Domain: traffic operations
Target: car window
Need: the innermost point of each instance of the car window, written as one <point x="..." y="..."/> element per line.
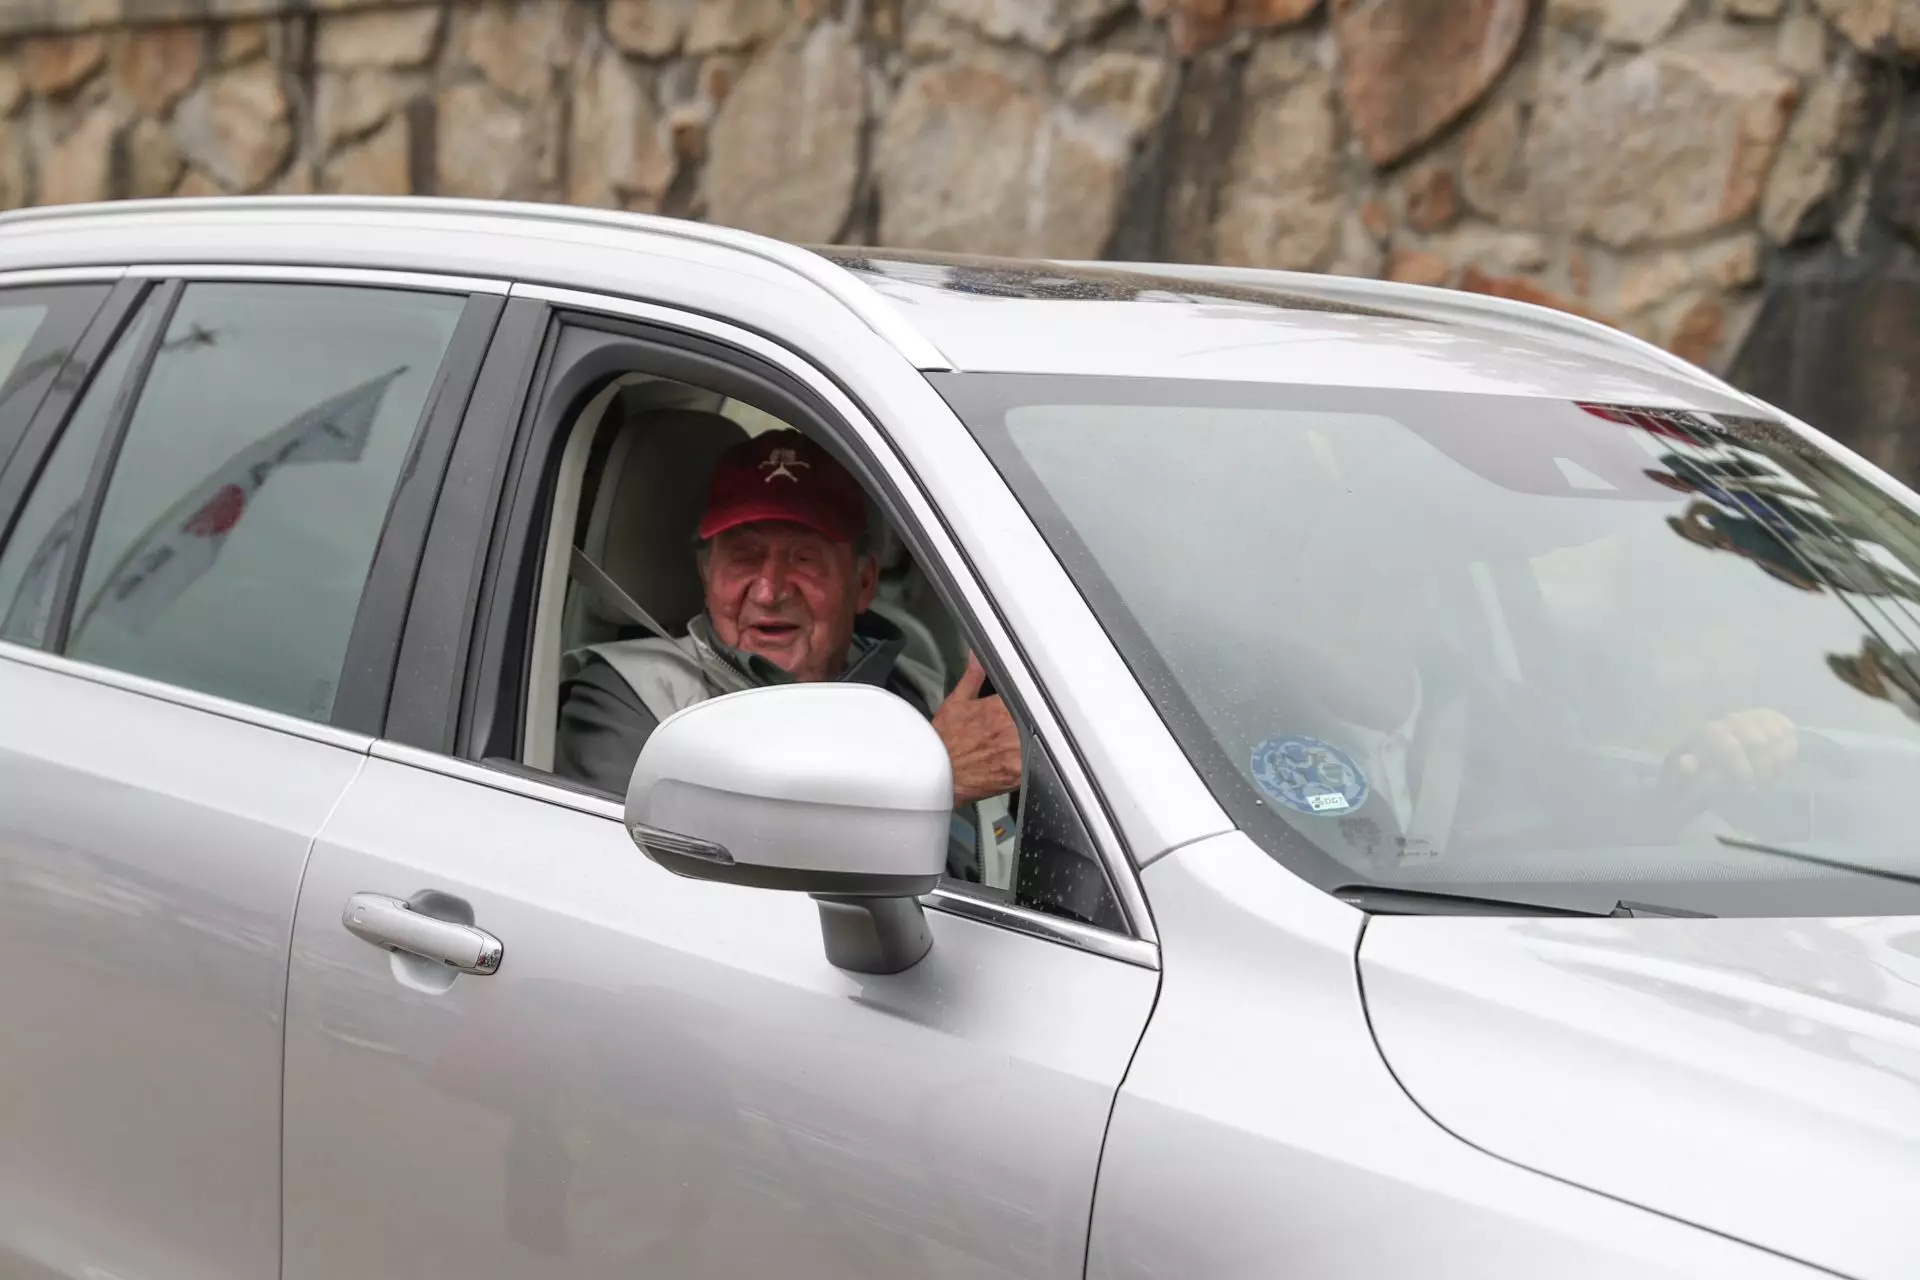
<point x="252" y="484"/>
<point x="44" y="537"/>
<point x="40" y="325"/>
<point x="19" y="322"/>
<point x="632" y="515"/>
<point x="1568" y="654"/>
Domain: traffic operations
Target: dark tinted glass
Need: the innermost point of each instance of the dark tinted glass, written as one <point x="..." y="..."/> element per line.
<point x="1517" y="648"/>
<point x="19" y="322"/>
<point x="244" y="508"/>
<point x="40" y="325"/>
<point x="44" y="537"/>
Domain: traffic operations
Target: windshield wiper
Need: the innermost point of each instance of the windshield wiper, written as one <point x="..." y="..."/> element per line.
<point x="1385" y="901"/>
<point x="1837" y="864"/>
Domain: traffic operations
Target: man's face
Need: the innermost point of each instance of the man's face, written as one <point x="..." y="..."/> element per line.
<point x="788" y="594"/>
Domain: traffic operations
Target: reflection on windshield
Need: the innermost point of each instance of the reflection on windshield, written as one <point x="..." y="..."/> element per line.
<point x="1775" y="511"/>
<point x="1500" y="645"/>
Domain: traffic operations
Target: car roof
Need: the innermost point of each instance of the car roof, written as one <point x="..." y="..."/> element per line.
<point x="941" y="312"/>
<point x="1179" y="321"/>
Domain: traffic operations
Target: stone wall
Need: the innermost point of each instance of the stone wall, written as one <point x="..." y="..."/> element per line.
<point x="1736" y="179"/>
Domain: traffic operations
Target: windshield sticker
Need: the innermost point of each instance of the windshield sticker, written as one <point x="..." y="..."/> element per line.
<point x="1308" y="776"/>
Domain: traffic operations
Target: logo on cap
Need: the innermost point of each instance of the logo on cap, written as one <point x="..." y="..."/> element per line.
<point x="782" y="462"/>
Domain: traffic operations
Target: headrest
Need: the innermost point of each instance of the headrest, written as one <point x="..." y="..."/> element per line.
<point x="649" y="503"/>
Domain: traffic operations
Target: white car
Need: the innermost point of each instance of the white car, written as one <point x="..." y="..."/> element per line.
<point x="1467" y="826"/>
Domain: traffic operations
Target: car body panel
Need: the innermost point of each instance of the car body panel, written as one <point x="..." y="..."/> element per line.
<point x="1758" y="1077"/>
<point x="666" y="1077"/>
<point x="151" y="849"/>
<point x="997" y="318"/>
<point x="1259" y="1128"/>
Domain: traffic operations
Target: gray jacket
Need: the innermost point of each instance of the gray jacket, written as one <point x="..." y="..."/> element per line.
<point x="620" y="692"/>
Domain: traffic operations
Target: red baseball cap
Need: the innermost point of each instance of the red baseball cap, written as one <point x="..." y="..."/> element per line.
<point x="783" y="476"/>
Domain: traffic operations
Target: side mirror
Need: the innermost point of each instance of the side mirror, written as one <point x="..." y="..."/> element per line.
<point x="842" y="791"/>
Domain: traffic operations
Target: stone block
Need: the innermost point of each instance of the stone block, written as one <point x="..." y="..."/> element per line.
<point x="1433" y="199"/>
<point x="1284" y="195"/>
<point x="380" y="38"/>
<point x="649" y="28"/>
<point x="489" y="147"/>
<point x="351" y="104"/>
<point x="1651" y="281"/>
<point x="1046" y="25"/>
<point x="197" y="185"/>
<point x="13" y="86"/>
<point x="79" y="167"/>
<point x="1410" y="68"/>
<point x="1130" y="87"/>
<point x="1887" y="28"/>
<point x="1673" y="143"/>
<point x="1699" y="332"/>
<point x="57" y="65"/>
<point x="243" y="42"/>
<point x="236" y="127"/>
<point x="13" y="168"/>
<point x="519" y="44"/>
<point x="619" y="155"/>
<point x="1801" y="189"/>
<point x="1730" y="264"/>
<point x="718" y="25"/>
<point x="1417" y="266"/>
<point x="784" y="154"/>
<point x="154" y="162"/>
<point x="153" y="66"/>
<point x="970" y="158"/>
<point x="379" y="165"/>
<point x="1636" y="23"/>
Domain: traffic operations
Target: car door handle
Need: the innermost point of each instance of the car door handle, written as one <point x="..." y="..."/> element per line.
<point x="391" y="924"/>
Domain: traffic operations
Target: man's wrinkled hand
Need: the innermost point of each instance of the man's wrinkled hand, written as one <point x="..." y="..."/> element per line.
<point x="1736" y="753"/>
<point x="982" y="740"/>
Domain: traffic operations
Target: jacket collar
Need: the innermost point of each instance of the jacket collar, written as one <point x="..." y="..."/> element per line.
<point x="877" y="645"/>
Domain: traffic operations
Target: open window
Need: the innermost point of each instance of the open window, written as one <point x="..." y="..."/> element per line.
<point x="625" y="431"/>
<point x="619" y="546"/>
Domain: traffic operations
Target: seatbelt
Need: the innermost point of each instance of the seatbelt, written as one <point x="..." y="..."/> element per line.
<point x="605" y="590"/>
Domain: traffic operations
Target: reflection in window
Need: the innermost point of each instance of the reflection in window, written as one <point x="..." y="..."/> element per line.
<point x="246" y="503"/>
<point x="43" y="539"/>
<point x="18" y="325"/>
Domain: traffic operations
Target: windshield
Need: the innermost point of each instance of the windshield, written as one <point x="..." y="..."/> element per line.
<point x="1519" y="648"/>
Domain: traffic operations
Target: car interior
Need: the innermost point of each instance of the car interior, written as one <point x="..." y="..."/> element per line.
<point x="632" y="481"/>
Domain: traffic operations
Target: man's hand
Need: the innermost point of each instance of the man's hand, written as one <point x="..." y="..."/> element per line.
<point x="1736" y="752"/>
<point x="982" y="740"/>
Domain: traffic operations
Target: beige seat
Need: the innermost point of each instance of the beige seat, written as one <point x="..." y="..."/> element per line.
<point x="640" y="526"/>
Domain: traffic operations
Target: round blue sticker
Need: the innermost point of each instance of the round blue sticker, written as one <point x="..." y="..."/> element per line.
<point x="1309" y="776"/>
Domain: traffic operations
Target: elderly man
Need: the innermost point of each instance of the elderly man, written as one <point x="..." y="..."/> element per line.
<point x="788" y="578"/>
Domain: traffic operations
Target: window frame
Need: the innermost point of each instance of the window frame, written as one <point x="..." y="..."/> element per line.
<point x="26" y="427"/>
<point x="466" y="710"/>
<point x="369" y="663"/>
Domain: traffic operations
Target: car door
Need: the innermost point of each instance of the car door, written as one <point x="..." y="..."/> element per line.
<point x="663" y="1076"/>
<point x="189" y="544"/>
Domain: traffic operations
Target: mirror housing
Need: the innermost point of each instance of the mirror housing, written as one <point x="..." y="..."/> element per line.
<point x="842" y="791"/>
